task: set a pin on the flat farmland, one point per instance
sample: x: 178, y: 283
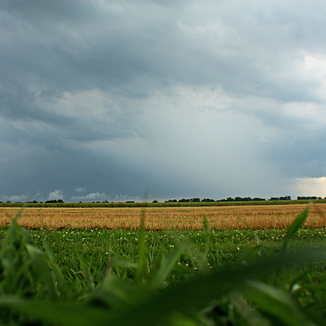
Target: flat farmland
x: 166, y: 218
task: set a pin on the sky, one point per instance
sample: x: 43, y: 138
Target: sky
x: 105, y: 100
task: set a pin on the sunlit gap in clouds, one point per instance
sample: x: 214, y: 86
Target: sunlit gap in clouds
x: 309, y: 187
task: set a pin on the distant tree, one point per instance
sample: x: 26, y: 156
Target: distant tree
x: 54, y: 201
x: 195, y: 200
x: 281, y: 198
x: 306, y: 197
x: 130, y: 202
x: 155, y: 201
x: 171, y: 201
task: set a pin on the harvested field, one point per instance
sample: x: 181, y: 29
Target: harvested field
x: 185, y: 218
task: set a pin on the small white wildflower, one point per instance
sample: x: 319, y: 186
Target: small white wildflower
x: 295, y: 287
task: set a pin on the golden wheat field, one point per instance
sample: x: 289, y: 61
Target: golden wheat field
x: 178, y: 218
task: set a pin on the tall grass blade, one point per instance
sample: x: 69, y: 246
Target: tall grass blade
x: 294, y: 227
x: 166, y: 266
x: 141, y: 267
x: 202, y: 263
x: 86, y: 273
x: 58, y: 314
x: 249, y: 256
x: 42, y: 271
x: 57, y: 272
x: 206, y: 225
x: 276, y: 303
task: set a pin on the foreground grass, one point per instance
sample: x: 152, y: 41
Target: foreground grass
x: 97, y: 246
x: 211, y: 277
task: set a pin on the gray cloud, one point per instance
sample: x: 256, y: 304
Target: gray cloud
x: 56, y: 194
x: 80, y: 189
x: 94, y: 196
x: 191, y: 98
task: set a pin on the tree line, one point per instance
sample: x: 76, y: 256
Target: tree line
x: 230, y: 199
x: 188, y: 200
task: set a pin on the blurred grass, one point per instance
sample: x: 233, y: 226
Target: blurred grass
x: 118, y: 277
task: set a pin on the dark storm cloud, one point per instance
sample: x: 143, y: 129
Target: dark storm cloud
x: 142, y: 88
x: 152, y: 45
x: 35, y: 167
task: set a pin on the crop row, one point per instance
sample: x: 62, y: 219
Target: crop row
x: 168, y: 218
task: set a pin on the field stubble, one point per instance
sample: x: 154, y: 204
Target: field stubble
x: 169, y: 218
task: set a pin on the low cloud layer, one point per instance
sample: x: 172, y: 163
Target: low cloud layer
x: 56, y: 194
x: 103, y: 100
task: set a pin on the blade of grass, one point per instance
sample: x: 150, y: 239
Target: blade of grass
x: 166, y: 266
x: 86, y: 273
x: 141, y: 267
x: 294, y: 227
x: 249, y: 255
x: 60, y: 279
x: 66, y: 314
x: 202, y: 263
x: 206, y: 225
x: 42, y: 271
x: 276, y: 303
